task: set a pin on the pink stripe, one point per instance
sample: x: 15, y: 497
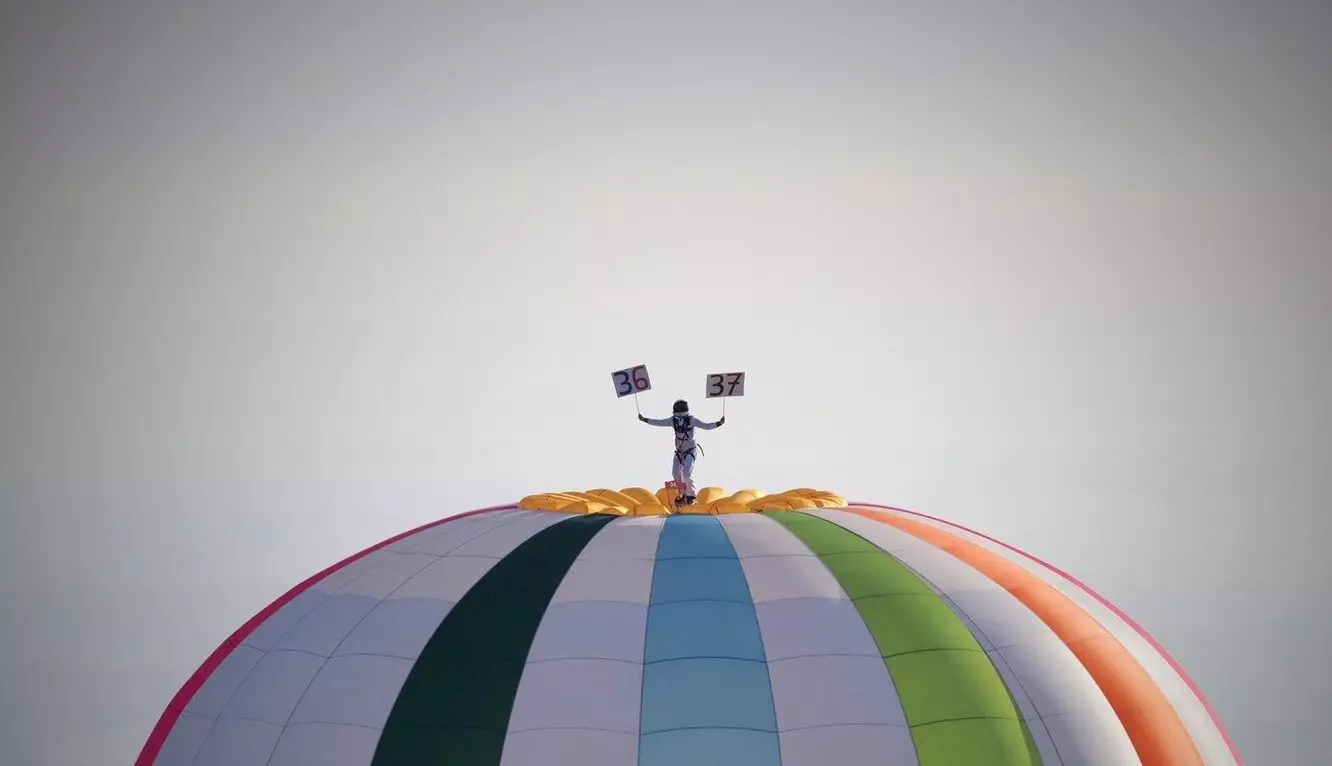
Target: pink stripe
x: 1179, y: 669
x: 177, y: 705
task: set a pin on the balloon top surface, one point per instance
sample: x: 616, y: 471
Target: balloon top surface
x: 602, y: 628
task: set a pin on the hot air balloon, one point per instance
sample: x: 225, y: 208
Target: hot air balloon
x: 606, y: 628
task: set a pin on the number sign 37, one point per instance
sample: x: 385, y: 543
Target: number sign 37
x: 724, y: 384
x: 631, y: 381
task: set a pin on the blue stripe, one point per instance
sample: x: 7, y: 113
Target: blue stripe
x: 718, y: 579
x: 694, y: 537
x: 707, y: 698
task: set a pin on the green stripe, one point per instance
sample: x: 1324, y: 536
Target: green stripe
x: 956, y: 703
x: 455, y: 704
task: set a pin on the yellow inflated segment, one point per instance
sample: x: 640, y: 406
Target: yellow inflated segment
x: 666, y: 496
x: 797, y: 498
x: 710, y: 495
x: 639, y: 501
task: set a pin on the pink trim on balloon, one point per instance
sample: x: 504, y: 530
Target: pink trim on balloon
x: 182, y: 698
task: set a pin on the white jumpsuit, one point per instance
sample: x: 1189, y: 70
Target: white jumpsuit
x: 682, y: 462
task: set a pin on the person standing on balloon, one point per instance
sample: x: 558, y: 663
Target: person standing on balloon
x: 682, y: 464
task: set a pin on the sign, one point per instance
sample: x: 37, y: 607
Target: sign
x: 724, y: 384
x: 631, y: 381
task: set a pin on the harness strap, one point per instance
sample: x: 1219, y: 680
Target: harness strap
x: 683, y: 426
x: 684, y: 431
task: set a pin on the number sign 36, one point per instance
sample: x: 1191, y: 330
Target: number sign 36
x: 631, y: 381
x: 724, y: 384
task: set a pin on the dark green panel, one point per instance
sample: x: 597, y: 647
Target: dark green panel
x: 455, y: 704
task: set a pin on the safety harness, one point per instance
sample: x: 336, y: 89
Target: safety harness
x: 684, y: 431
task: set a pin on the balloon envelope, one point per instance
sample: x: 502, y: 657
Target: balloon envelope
x: 602, y: 629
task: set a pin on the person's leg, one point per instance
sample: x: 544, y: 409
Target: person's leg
x: 688, y: 473
x: 677, y: 475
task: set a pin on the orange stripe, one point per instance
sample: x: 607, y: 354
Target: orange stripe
x: 1152, y: 724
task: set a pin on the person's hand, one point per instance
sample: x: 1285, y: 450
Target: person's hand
x: 722, y: 421
x: 641, y: 417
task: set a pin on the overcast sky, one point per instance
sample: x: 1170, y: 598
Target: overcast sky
x: 279, y: 280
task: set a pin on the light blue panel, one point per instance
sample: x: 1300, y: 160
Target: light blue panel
x: 717, y: 579
x: 707, y: 698
x: 693, y: 537
x: 709, y: 747
x: 706, y: 693
x: 703, y: 629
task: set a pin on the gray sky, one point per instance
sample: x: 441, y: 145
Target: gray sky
x: 279, y: 280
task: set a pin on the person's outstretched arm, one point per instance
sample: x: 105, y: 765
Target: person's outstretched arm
x: 654, y: 421
x: 706, y: 426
